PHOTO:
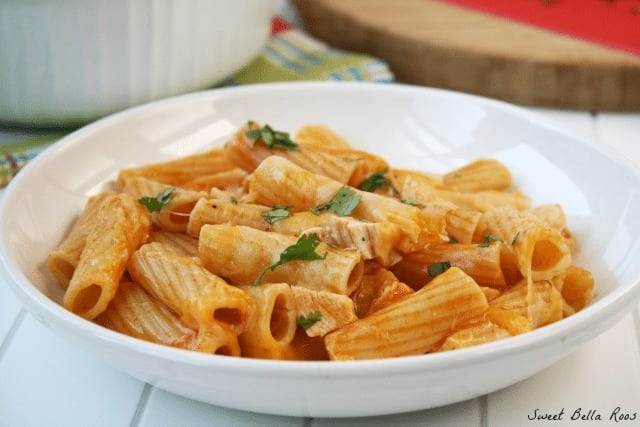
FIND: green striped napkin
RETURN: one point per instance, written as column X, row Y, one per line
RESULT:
column 289, row 55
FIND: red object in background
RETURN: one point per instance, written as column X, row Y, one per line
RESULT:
column 279, row 25
column 614, row 23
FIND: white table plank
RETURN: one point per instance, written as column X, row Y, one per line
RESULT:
column 45, row 381
column 468, row 414
column 167, row 410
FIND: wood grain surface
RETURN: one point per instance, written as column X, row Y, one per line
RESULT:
column 432, row 43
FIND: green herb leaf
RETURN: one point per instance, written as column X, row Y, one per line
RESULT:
column 377, row 180
column 276, row 213
column 515, row 238
column 453, row 240
column 439, row 268
column 272, row 138
column 303, row 250
column 342, row 204
column 487, row 240
column 156, row 203
column 234, row 200
column 413, row 203
column 309, row 320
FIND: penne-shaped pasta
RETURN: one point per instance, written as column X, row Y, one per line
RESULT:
column 374, row 240
column 540, row 251
column 179, row 243
column 424, row 189
column 461, row 224
column 240, row 254
column 172, row 216
column 136, row 313
column 345, row 165
column 479, row 175
column 200, row 298
column 214, row 338
column 230, row 180
column 179, row 171
column 577, row 287
column 278, row 181
column 62, row 261
column 321, row 312
column 480, row 262
column 378, row 288
column 509, row 320
column 272, row 325
column 479, row 333
column 552, row 215
column 121, row 226
column 415, row 324
column 219, row 211
column 540, row 305
column 320, row 135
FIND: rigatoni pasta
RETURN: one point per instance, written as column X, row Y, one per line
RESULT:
column 288, row 248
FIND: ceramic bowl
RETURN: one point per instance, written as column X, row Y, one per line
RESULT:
column 419, row 128
column 64, row 63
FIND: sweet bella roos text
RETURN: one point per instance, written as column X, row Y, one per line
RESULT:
column 617, row 415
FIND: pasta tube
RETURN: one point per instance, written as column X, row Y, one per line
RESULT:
column 62, row 261
column 480, row 333
column 136, row 313
column 174, row 214
column 378, row 288
column 180, row 171
column 374, row 240
column 540, row 251
column 278, row 181
column 482, row 263
column 121, row 226
column 179, row 243
column 541, row 303
column 479, row 175
column 272, row 325
column 345, row 165
column 240, row 254
column 415, row 324
column 200, row 298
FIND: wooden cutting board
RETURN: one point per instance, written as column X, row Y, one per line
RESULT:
column 431, row 43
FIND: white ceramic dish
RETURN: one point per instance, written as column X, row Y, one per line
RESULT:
column 413, row 127
column 68, row 62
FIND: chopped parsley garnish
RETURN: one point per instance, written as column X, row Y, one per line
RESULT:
column 303, row 250
column 377, row 180
column 439, row 268
column 276, row 213
column 342, row 204
column 453, row 240
column 515, row 238
column 487, row 240
column 156, row 203
column 272, row 138
column 234, row 200
column 309, row 320
column 413, row 203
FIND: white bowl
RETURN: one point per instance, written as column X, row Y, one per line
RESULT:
column 67, row 62
column 413, row 127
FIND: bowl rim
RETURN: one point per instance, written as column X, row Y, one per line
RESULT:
column 578, row 328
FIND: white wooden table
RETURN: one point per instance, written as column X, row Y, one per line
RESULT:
column 45, row 381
